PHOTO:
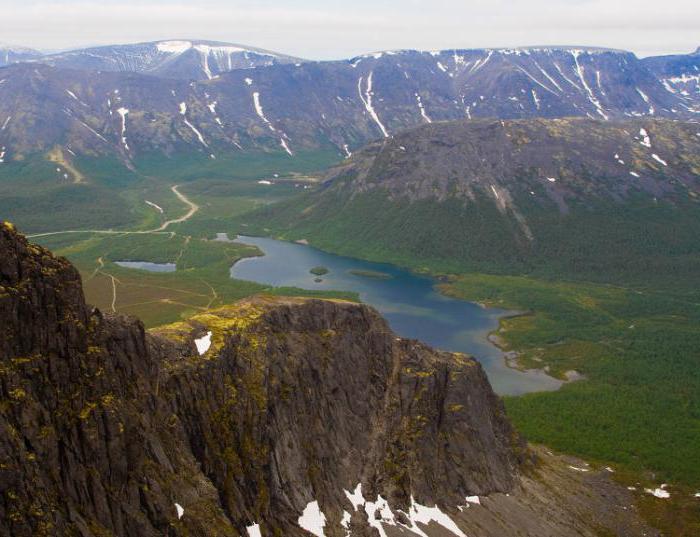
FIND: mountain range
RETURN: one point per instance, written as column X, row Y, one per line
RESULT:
column 214, row 99
column 10, row 54
column 180, row 59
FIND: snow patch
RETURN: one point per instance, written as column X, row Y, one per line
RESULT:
column 356, row 498
column 546, row 74
column 345, row 521
column 73, row 95
column 659, row 492
column 156, row 207
column 658, row 159
column 426, row 515
column 645, row 98
column 577, row 469
column 536, row 81
column 180, row 511
column 254, row 530
column 313, row 520
column 379, row 513
column 123, row 112
column 261, row 114
column 574, row 84
column 285, row 146
column 197, row 133
column 422, row 109
column 259, row 110
column 212, row 109
column 646, row 141
column 203, row 343
column 367, row 101
column 173, row 47
column 591, row 96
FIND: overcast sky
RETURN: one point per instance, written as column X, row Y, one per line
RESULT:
column 328, row 29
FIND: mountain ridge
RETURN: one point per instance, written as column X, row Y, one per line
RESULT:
column 506, row 196
column 332, row 106
column 176, row 58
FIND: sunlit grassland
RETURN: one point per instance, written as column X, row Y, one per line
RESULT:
column 202, row 279
column 38, row 198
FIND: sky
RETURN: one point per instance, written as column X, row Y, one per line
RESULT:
column 333, row 29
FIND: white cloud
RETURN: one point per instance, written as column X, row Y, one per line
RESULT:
column 334, row 28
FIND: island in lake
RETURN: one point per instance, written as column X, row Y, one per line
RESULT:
column 319, row 271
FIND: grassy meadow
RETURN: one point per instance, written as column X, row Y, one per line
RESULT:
column 113, row 197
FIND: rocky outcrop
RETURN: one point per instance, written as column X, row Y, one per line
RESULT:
column 558, row 162
column 105, row 428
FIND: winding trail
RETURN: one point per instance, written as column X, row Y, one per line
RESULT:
column 193, row 208
column 184, row 199
column 114, row 292
column 100, row 265
column 214, row 294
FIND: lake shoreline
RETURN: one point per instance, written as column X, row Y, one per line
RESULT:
column 451, row 319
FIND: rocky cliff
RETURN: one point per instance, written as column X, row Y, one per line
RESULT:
column 253, row 414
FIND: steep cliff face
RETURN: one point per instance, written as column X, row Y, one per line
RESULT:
column 259, row 413
column 86, row 445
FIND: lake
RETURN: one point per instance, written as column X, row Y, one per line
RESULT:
column 146, row 265
column 409, row 302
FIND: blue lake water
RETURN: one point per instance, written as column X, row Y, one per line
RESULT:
column 146, row 265
column 409, row 302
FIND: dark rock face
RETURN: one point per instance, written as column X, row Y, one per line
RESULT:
column 680, row 75
column 561, row 161
column 104, row 428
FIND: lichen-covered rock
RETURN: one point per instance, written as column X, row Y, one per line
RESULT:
column 104, row 428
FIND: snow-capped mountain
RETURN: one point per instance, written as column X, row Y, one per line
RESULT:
column 10, row 54
column 296, row 107
column 679, row 73
column 184, row 59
